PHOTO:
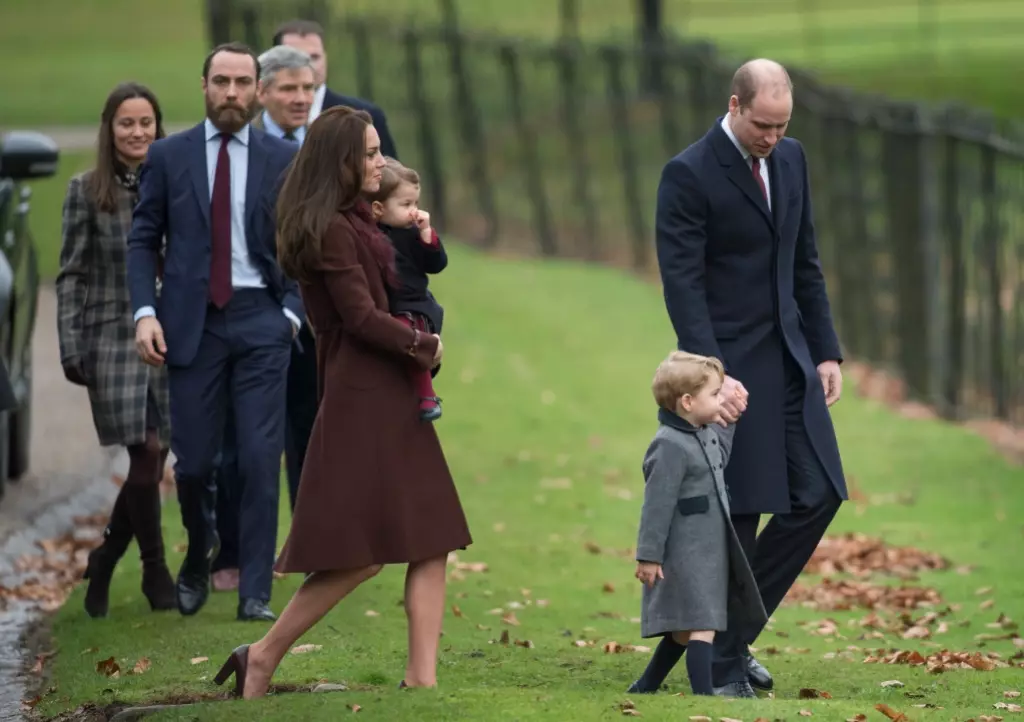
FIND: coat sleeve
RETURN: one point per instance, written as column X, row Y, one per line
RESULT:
column 809, row 284
column 681, row 237
column 349, row 289
column 725, row 438
column 149, row 226
column 432, row 258
column 664, row 469
column 75, row 258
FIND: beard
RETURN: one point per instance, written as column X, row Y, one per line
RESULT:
column 229, row 117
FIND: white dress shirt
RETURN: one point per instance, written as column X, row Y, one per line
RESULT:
column 278, row 132
column 746, row 159
column 318, row 103
column 244, row 273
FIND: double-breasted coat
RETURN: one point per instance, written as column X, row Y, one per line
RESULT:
column 375, row 485
column 743, row 283
column 685, row 526
column 94, row 318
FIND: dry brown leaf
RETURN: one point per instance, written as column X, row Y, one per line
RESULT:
column 861, row 555
column 700, row 718
column 1011, row 694
column 844, row 594
column 808, row 693
column 608, row 588
column 371, row 613
column 108, row 667
column 525, row 643
column 983, row 591
column 141, row 666
column 354, row 707
column 987, row 604
column 510, row 619
column 504, row 638
column 1007, row 706
column 200, row 660
column 891, row 713
column 729, row 719
column 859, row 717
column 805, row 713
column 306, row 648
column 891, row 683
column 987, row 718
column 456, row 611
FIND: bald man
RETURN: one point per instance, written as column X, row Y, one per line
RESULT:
column 742, row 282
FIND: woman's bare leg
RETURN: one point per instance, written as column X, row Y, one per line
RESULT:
column 424, row 608
column 319, row 593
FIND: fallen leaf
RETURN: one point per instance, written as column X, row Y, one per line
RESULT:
column 504, row 638
column 987, row 604
column 700, row 718
column 510, row 619
column 608, row 588
column 354, row 707
column 456, row 611
column 891, row 713
column 200, row 660
column 858, row 554
column 108, row 667
column 892, row 683
column 983, row 591
column 141, row 666
column 1011, row 694
column 859, row 717
column 805, row 713
column 305, row 648
column 371, row 613
column 1008, row 707
column 808, row 693
column 526, row 643
column 844, row 594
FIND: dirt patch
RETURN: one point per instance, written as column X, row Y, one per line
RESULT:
column 861, row 556
column 842, row 595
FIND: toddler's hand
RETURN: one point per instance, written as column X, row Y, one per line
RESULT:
column 423, row 223
column 649, row 573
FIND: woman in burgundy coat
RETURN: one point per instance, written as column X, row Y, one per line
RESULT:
column 375, row 486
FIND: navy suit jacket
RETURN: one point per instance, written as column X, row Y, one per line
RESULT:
column 744, row 284
column 174, row 203
column 380, row 121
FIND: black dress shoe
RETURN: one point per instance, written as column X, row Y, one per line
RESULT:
column 192, row 591
column 757, row 675
column 736, row 689
column 635, row 689
column 254, row 610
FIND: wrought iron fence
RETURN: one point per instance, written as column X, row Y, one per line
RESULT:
column 556, row 147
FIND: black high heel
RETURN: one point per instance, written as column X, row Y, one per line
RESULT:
column 236, row 665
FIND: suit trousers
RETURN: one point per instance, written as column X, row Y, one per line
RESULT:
column 241, row 364
column 784, row 546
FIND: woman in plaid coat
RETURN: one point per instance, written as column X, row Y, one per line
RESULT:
column 97, row 341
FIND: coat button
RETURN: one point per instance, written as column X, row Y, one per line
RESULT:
column 714, row 441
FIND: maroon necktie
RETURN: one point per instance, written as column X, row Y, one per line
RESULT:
column 220, row 226
column 755, row 167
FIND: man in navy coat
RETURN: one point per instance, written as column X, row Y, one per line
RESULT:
column 225, row 319
column 742, row 282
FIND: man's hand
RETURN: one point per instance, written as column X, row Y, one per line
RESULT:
column 149, row 341
column 832, row 381
column 734, row 401
column 423, row 223
column 649, row 573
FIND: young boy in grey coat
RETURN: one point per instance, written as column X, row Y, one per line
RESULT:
column 696, row 578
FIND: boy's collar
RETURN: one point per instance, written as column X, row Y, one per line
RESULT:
column 677, row 422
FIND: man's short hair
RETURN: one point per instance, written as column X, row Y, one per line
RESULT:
column 232, row 47
column 683, row 373
column 298, row 27
column 747, row 81
column 282, row 57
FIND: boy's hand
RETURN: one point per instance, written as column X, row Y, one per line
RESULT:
column 423, row 223
column 649, row 573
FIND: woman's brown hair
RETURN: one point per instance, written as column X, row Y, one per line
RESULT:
column 326, row 177
column 103, row 181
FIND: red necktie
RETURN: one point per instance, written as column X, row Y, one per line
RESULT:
column 755, row 167
column 220, row 227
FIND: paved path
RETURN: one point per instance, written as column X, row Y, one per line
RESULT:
column 76, row 137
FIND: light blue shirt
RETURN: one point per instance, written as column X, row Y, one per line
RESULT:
column 746, row 158
column 278, row 132
column 243, row 273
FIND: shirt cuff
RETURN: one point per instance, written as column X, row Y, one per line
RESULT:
column 143, row 312
column 293, row 318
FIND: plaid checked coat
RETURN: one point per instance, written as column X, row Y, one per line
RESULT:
column 94, row 318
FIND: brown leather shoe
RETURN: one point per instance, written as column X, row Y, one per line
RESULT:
column 225, row 580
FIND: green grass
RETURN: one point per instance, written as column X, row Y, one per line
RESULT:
column 47, row 203
column 548, row 412
column 933, row 48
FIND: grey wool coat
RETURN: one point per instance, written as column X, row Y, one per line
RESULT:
column 685, row 527
column 94, row 318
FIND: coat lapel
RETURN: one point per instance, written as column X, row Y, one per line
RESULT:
column 737, row 170
column 198, row 170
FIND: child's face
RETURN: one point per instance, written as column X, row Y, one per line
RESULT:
column 399, row 210
column 704, row 406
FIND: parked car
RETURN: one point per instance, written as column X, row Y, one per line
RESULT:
column 24, row 156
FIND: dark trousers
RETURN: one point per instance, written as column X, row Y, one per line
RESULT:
column 780, row 552
column 241, row 363
column 301, row 408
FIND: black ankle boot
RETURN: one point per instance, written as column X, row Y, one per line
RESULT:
column 143, row 502
column 104, row 558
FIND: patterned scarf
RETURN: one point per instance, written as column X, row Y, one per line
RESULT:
column 126, row 177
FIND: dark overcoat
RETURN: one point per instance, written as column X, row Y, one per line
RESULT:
column 744, row 284
column 94, row 317
column 375, row 485
column 685, row 526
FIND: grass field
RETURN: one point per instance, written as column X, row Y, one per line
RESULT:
column 546, row 419
column 931, row 48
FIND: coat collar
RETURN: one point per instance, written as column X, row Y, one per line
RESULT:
column 678, row 423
